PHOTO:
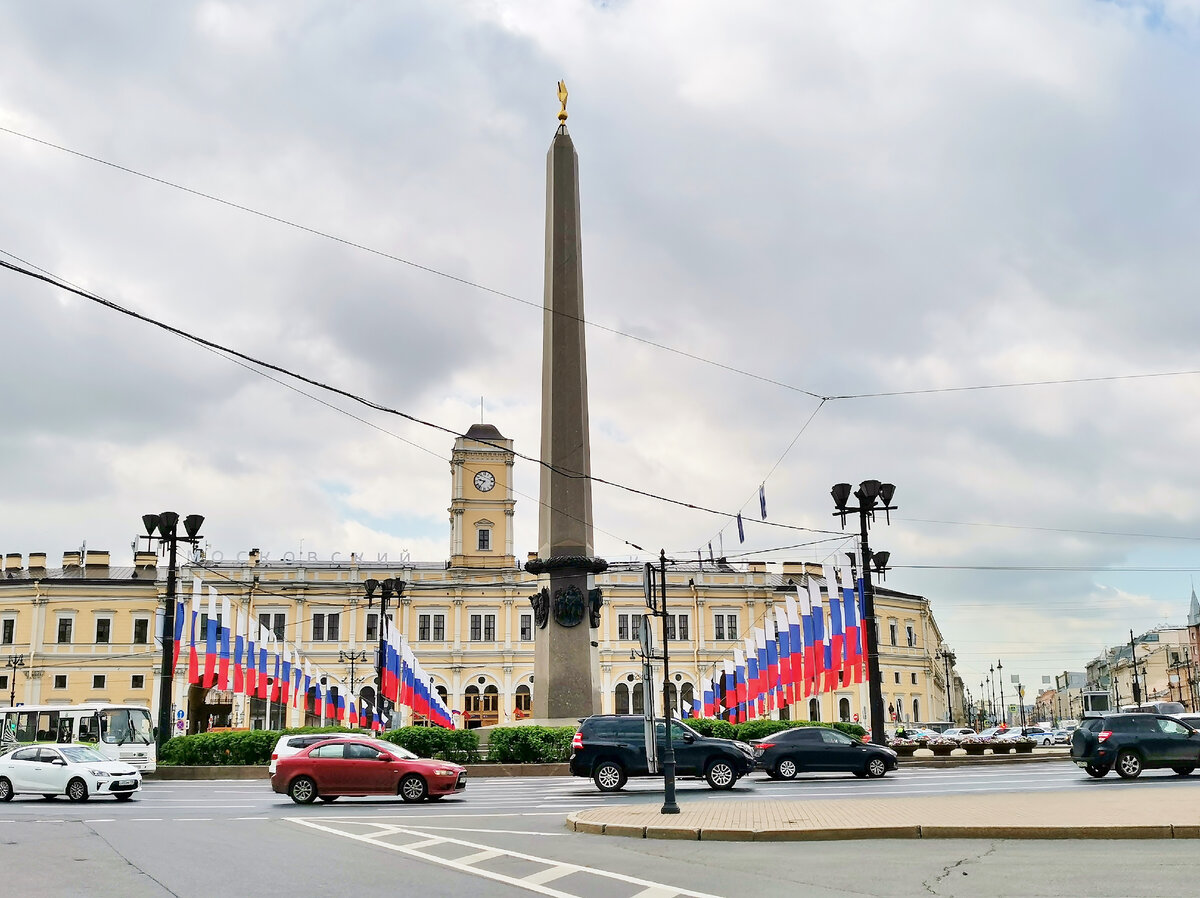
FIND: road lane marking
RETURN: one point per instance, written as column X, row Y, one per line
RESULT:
column 519, row 882
column 548, row 875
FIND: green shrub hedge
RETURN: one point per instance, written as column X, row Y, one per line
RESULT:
column 226, row 748
column 530, row 745
column 434, row 742
column 721, row 729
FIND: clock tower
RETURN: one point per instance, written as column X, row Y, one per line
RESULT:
column 481, row 499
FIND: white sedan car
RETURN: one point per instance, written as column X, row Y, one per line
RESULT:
column 77, row 771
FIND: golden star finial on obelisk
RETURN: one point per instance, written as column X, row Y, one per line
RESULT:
column 562, row 98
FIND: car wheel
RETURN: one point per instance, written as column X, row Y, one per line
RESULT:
column 77, row 790
column 787, row 768
column 329, row 798
column 1047, row 741
column 876, row 767
column 609, row 777
column 1129, row 765
column 1184, row 771
column 721, row 775
column 6, row 790
column 1097, row 771
column 303, row 790
column 413, row 788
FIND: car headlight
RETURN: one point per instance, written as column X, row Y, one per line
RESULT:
column 445, row 771
column 100, row 774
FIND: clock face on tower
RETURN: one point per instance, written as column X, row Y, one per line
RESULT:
column 484, row 481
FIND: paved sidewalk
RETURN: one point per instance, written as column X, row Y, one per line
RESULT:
column 1124, row 812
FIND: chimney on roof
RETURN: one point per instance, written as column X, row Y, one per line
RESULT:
column 37, row 561
column 532, row 556
column 793, row 569
column 145, row 560
column 96, row 563
column 12, row 562
column 72, row 561
column 254, row 558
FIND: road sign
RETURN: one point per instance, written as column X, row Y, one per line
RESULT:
column 646, row 636
column 180, row 714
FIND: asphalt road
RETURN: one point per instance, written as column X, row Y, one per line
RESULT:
column 506, row 837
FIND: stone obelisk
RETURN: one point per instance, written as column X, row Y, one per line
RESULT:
column 566, row 664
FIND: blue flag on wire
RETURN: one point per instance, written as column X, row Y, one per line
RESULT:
column 710, row 554
column 741, row 530
column 762, row 499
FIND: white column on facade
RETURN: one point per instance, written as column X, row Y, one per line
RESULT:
column 508, row 696
column 458, row 602
column 508, row 623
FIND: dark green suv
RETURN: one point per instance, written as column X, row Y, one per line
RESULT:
column 610, row 748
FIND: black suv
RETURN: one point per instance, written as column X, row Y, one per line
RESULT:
column 610, row 748
column 1134, row 742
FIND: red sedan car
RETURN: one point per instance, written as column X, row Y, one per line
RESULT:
column 329, row 770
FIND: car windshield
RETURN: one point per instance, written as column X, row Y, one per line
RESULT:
column 121, row 725
column 78, row 754
column 396, row 750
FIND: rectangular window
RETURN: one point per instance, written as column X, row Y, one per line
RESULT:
column 897, row 676
column 60, row 681
column 98, row 681
column 137, row 681
column 622, row 626
column 8, row 631
column 892, row 631
column 911, row 634
column 333, row 627
column 489, row 628
column 141, row 631
column 275, row 623
column 914, row 679
column 636, row 627
column 3, row 681
column 372, row 626
column 476, row 627
column 526, row 628
column 64, row 630
column 677, row 626
column 103, row 629
column 485, row 540
column 439, row 628
column 719, row 626
column 423, row 627
column 318, row 628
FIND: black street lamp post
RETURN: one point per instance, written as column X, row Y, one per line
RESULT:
column 1003, row 707
column 167, row 525
column 387, row 588
column 14, row 663
column 948, row 658
column 872, row 496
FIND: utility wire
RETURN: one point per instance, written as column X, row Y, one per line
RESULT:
column 109, row 304
column 1050, row 529
column 409, row 262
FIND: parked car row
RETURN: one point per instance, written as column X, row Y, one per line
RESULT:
column 611, row 748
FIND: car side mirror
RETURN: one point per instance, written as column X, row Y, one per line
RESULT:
column 59, row 762
column 383, row 756
column 689, row 738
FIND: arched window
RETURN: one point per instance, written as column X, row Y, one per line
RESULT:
column 687, row 698
column 443, row 695
column 814, row 709
column 471, row 707
column 621, row 704
column 673, row 698
column 844, row 710
column 916, row 710
column 899, row 709
column 524, row 700
column 639, row 699
column 366, row 697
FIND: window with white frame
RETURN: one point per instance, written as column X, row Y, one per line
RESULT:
column 137, row 681
column 103, row 630
column 66, row 626
column 326, row 627
column 483, row 627
column 60, row 681
column 483, row 539
column 526, row 627
column 274, row 622
column 99, row 681
column 893, row 631
column 8, row 629
column 431, row 627
column 372, row 633
column 725, row 625
column 677, row 626
column 141, row 631
column 622, row 626
column 910, row 634
column 3, row 682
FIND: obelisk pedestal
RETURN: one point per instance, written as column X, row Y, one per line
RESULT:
column 567, row 605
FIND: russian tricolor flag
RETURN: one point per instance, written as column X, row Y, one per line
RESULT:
column 818, row 633
column 224, row 658
column 764, row 670
column 730, row 691
column 835, row 649
column 210, row 640
column 180, row 610
column 193, row 658
column 796, row 645
column 753, row 679
column 239, row 653
column 251, row 655
column 785, row 657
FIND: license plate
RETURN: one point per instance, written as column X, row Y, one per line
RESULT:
column 125, row 784
column 1081, row 763
column 462, row 781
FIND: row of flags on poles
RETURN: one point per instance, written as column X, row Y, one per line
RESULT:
column 816, row 647
column 235, row 653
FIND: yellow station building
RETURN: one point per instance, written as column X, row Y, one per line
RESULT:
column 88, row 631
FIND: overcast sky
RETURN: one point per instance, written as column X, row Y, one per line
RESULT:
column 839, row 197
